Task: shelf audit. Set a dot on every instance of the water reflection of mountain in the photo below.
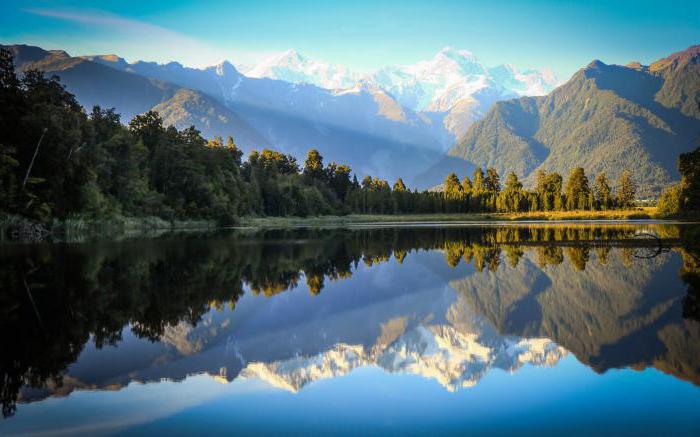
(319, 303)
(620, 311)
(456, 354)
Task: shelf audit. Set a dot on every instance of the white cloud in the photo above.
(139, 40)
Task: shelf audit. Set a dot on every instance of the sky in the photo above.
(363, 35)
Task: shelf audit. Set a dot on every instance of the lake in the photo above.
(432, 329)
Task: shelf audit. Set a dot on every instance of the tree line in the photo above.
(483, 192)
(57, 160)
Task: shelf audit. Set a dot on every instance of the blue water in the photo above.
(401, 345)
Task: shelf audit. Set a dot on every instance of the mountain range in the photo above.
(453, 86)
(292, 103)
(420, 121)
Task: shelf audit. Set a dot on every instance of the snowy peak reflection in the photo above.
(456, 354)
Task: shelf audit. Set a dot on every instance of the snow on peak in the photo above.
(454, 355)
(291, 66)
(224, 69)
(464, 57)
(452, 76)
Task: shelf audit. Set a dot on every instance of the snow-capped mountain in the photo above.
(453, 360)
(435, 85)
(453, 355)
(293, 67)
(452, 88)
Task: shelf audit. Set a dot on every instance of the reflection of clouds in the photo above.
(103, 412)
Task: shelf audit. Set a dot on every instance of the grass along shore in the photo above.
(78, 228)
(641, 213)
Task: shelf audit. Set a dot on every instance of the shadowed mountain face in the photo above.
(602, 119)
(94, 82)
(293, 307)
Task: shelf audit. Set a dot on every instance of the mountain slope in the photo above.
(606, 118)
(363, 126)
(681, 74)
(108, 81)
(93, 83)
(191, 108)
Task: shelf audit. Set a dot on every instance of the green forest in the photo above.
(57, 161)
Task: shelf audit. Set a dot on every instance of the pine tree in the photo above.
(512, 182)
(627, 189)
(399, 186)
(602, 191)
(479, 183)
(452, 184)
(233, 149)
(577, 189)
(467, 185)
(493, 181)
(313, 166)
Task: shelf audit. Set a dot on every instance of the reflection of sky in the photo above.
(534, 400)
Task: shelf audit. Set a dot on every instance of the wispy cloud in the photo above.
(137, 40)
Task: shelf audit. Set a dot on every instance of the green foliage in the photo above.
(627, 189)
(577, 190)
(313, 166)
(670, 200)
(493, 181)
(399, 186)
(689, 167)
(452, 184)
(603, 193)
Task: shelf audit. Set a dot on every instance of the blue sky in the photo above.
(562, 35)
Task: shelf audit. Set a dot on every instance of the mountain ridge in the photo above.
(603, 118)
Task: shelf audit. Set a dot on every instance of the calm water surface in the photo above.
(541, 329)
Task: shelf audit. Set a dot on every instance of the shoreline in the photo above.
(639, 215)
(119, 227)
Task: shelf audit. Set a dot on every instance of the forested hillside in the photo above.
(607, 118)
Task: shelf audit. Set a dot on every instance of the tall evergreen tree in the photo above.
(479, 181)
(399, 186)
(452, 184)
(493, 181)
(577, 189)
(512, 182)
(313, 166)
(467, 186)
(627, 189)
(603, 193)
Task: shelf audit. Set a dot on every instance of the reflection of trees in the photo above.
(690, 273)
(549, 255)
(77, 292)
(609, 309)
(578, 256)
